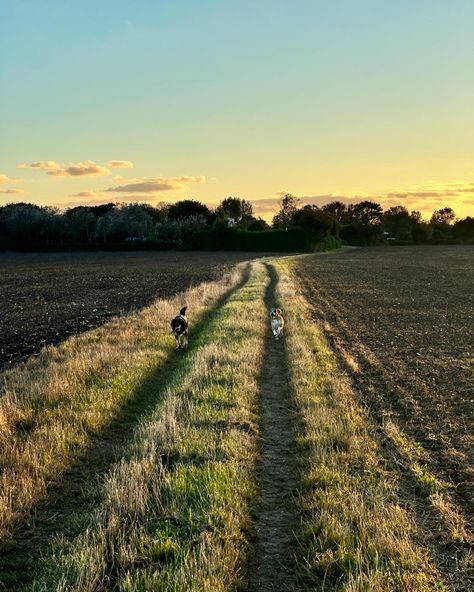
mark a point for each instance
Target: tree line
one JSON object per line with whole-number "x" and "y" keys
{"x": 232, "y": 224}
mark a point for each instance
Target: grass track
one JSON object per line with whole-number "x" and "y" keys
{"x": 81, "y": 402}
{"x": 176, "y": 508}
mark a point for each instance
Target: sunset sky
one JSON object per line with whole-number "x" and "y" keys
{"x": 160, "y": 100}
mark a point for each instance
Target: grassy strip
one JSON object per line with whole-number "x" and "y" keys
{"x": 53, "y": 405}
{"x": 176, "y": 509}
{"x": 355, "y": 535}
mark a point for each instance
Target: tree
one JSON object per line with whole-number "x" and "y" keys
{"x": 463, "y": 230}
{"x": 366, "y": 213}
{"x": 336, "y": 209}
{"x": 81, "y": 224}
{"x": 288, "y": 208}
{"x": 363, "y": 223}
{"x": 442, "y": 218}
{"x": 398, "y": 222}
{"x": 316, "y": 223}
{"x": 186, "y": 208}
{"x": 235, "y": 208}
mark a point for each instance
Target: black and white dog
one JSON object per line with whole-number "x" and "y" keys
{"x": 179, "y": 326}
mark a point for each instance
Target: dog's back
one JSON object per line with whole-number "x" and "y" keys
{"x": 179, "y": 326}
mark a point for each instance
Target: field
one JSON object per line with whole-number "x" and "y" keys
{"x": 338, "y": 458}
{"x": 47, "y": 297}
{"x": 401, "y": 321}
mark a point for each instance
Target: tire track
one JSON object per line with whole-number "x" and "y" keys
{"x": 272, "y": 567}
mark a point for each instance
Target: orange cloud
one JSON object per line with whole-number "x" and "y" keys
{"x": 120, "y": 164}
{"x": 155, "y": 185}
{"x": 79, "y": 169}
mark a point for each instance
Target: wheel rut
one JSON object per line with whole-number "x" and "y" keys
{"x": 272, "y": 567}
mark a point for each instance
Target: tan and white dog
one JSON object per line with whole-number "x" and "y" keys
{"x": 277, "y": 322}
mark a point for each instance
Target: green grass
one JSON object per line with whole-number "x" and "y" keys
{"x": 355, "y": 537}
{"x": 176, "y": 514}
{"x": 52, "y": 407}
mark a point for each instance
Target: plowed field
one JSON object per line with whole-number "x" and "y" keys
{"x": 401, "y": 320}
{"x": 44, "y": 298}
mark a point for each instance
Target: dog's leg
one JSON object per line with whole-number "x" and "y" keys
{"x": 177, "y": 341}
{"x": 186, "y": 340}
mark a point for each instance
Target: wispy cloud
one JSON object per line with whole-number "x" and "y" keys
{"x": 6, "y": 179}
{"x": 87, "y": 194}
{"x": 12, "y": 191}
{"x": 154, "y": 185}
{"x": 77, "y": 169}
{"x": 47, "y": 165}
{"x": 120, "y": 164}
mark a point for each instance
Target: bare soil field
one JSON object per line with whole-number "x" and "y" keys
{"x": 401, "y": 320}
{"x": 45, "y": 297}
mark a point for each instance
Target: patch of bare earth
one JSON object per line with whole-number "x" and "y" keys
{"x": 400, "y": 320}
{"x": 276, "y": 516}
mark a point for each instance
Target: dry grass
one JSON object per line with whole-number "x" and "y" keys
{"x": 355, "y": 536}
{"x": 176, "y": 510}
{"x": 53, "y": 405}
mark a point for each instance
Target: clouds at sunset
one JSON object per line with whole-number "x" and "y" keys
{"x": 86, "y": 194}
{"x": 6, "y": 179}
{"x": 424, "y": 198}
{"x": 46, "y": 165}
{"x": 86, "y": 168}
{"x": 154, "y": 185}
{"x": 8, "y": 191}
{"x": 120, "y": 164}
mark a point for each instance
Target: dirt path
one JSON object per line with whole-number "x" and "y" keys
{"x": 276, "y": 515}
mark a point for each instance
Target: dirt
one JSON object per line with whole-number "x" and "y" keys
{"x": 272, "y": 568}
{"x": 45, "y": 297}
{"x": 401, "y": 321}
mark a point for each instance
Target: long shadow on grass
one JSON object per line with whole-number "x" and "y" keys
{"x": 71, "y": 498}
{"x": 276, "y": 517}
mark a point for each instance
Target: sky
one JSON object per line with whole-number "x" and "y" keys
{"x": 161, "y": 100}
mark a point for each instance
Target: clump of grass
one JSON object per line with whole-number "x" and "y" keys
{"x": 51, "y": 406}
{"x": 176, "y": 514}
{"x": 355, "y": 536}
{"x": 426, "y": 483}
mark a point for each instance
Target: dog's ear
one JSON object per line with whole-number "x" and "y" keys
{"x": 278, "y": 310}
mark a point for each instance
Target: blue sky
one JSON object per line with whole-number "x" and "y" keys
{"x": 209, "y": 99}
